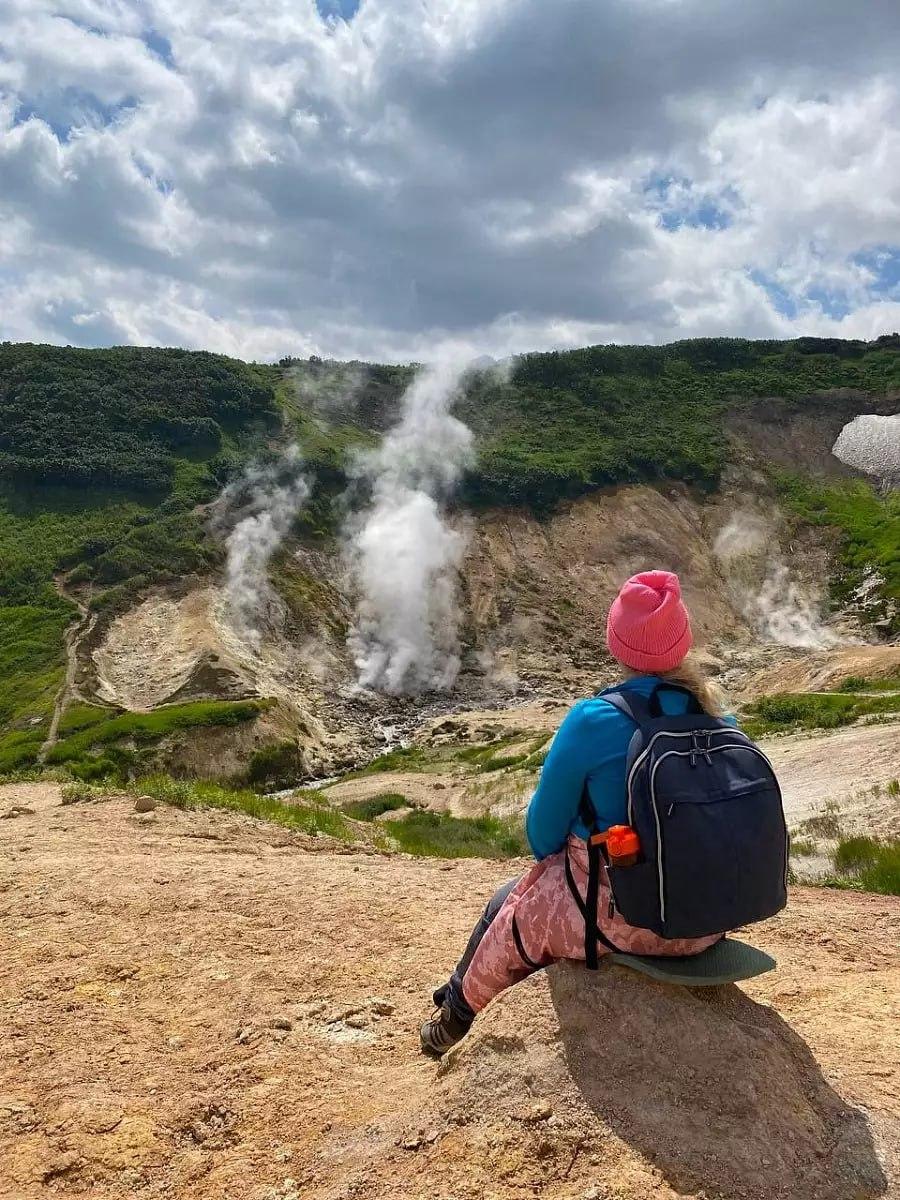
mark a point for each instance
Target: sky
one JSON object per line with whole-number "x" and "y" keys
{"x": 398, "y": 179}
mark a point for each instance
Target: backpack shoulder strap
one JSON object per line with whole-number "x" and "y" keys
{"x": 656, "y": 709}
{"x": 642, "y": 709}
{"x": 634, "y": 706}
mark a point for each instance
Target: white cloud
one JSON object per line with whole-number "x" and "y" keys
{"x": 496, "y": 175}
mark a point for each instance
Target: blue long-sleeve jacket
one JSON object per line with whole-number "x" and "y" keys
{"x": 591, "y": 745}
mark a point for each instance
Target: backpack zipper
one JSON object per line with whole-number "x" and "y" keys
{"x": 684, "y": 754}
{"x": 639, "y": 761}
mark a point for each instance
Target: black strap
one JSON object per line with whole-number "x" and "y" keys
{"x": 517, "y": 938}
{"x": 635, "y": 707}
{"x": 641, "y": 709}
{"x": 588, "y": 907}
{"x": 656, "y": 708}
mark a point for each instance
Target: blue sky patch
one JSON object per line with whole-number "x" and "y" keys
{"x": 338, "y": 8}
{"x": 884, "y": 263}
{"x": 159, "y": 45}
{"x": 679, "y": 204}
{"x": 73, "y": 108}
{"x": 781, "y": 299}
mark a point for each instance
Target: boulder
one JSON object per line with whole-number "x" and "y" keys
{"x": 646, "y": 1088}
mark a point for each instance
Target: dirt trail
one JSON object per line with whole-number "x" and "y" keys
{"x": 199, "y": 1005}
{"x": 79, "y": 629}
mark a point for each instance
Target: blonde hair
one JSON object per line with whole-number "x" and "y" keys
{"x": 691, "y": 675}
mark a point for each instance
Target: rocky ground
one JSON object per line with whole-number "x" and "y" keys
{"x": 198, "y": 1005}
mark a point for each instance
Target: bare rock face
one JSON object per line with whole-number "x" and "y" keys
{"x": 633, "y": 1088}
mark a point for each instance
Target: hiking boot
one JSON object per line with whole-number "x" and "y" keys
{"x": 443, "y": 1032}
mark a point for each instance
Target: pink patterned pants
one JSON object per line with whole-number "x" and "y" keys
{"x": 538, "y": 923}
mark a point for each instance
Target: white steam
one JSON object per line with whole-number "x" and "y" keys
{"x": 267, "y": 499}
{"x": 772, "y": 602}
{"x": 785, "y": 614}
{"x": 403, "y": 553}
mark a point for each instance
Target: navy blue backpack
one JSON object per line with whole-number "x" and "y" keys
{"x": 707, "y": 808}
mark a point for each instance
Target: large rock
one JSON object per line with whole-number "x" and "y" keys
{"x": 610, "y": 1085}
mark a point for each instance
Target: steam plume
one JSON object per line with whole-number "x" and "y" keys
{"x": 402, "y": 551}
{"x": 267, "y": 499}
{"x": 776, "y": 606}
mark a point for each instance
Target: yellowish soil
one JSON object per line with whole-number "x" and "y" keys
{"x": 197, "y": 1005}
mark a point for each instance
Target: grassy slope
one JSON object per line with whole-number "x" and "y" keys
{"x": 868, "y": 526}
{"x": 107, "y": 454}
{"x": 786, "y": 712}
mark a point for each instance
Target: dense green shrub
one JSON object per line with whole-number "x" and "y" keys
{"x": 565, "y": 422}
{"x": 116, "y": 417}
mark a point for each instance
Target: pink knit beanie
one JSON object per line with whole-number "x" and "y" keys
{"x": 648, "y": 628}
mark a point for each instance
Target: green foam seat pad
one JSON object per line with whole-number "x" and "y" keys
{"x": 727, "y": 961}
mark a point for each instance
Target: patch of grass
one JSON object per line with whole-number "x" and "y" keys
{"x": 312, "y": 602}
{"x": 81, "y": 792}
{"x": 19, "y": 750}
{"x": 374, "y": 806}
{"x": 488, "y": 758}
{"x": 438, "y": 835}
{"x": 787, "y": 711}
{"x": 150, "y": 727}
{"x": 307, "y": 815}
{"x": 868, "y": 864}
{"x": 858, "y": 683}
{"x": 80, "y": 716}
{"x": 803, "y": 847}
{"x": 404, "y": 758}
{"x": 826, "y": 824}
{"x": 32, "y": 662}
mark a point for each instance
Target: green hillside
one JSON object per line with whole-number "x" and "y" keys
{"x": 104, "y": 457}
{"x": 107, "y": 457}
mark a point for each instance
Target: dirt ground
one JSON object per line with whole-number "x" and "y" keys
{"x": 818, "y": 769}
{"x": 199, "y": 1005}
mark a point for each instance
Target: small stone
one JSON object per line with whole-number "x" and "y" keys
{"x": 381, "y": 1008}
{"x": 59, "y": 1164}
{"x": 540, "y": 1110}
{"x": 144, "y": 804}
{"x": 281, "y": 1022}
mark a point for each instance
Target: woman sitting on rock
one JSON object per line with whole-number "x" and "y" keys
{"x": 536, "y": 920}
